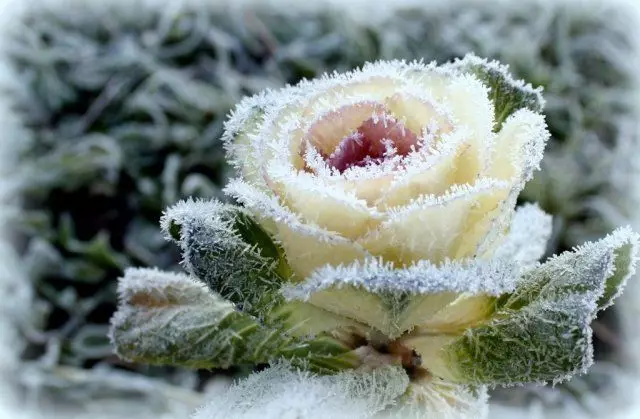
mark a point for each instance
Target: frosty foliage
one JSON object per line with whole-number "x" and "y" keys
{"x": 170, "y": 319}
{"x": 439, "y": 399}
{"x": 554, "y": 334}
{"x": 545, "y": 41}
{"x": 224, "y": 248}
{"x": 545, "y": 313}
{"x": 548, "y": 318}
{"x": 280, "y": 392}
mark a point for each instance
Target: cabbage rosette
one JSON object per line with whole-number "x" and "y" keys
{"x": 376, "y": 224}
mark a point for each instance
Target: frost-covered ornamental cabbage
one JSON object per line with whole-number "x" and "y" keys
{"x": 378, "y": 250}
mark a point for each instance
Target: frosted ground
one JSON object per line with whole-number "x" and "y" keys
{"x": 15, "y": 294}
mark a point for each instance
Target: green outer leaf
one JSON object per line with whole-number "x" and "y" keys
{"x": 597, "y": 270}
{"x": 542, "y": 342}
{"x": 166, "y": 318}
{"x": 251, "y": 233}
{"x": 229, "y": 252}
{"x": 542, "y": 331}
{"x": 625, "y": 257}
{"x": 507, "y": 94}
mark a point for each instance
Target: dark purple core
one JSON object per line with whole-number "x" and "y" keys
{"x": 368, "y": 143}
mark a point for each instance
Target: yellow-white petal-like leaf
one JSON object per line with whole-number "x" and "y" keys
{"x": 396, "y": 300}
{"x": 450, "y": 226}
{"x": 302, "y": 319}
{"x": 306, "y": 246}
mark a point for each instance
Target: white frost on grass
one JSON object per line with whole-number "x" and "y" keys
{"x": 15, "y": 289}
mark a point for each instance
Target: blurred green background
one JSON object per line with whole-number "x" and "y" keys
{"x": 125, "y": 106}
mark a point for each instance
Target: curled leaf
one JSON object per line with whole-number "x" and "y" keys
{"x": 507, "y": 94}
{"x": 541, "y": 332}
{"x": 170, "y": 319}
{"x": 228, "y": 251}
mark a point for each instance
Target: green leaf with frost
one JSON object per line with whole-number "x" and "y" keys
{"x": 598, "y": 270}
{"x": 540, "y": 332}
{"x": 170, "y": 319}
{"x": 227, "y": 250}
{"x": 624, "y": 268}
{"x": 546, "y": 341}
{"x": 507, "y": 94}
